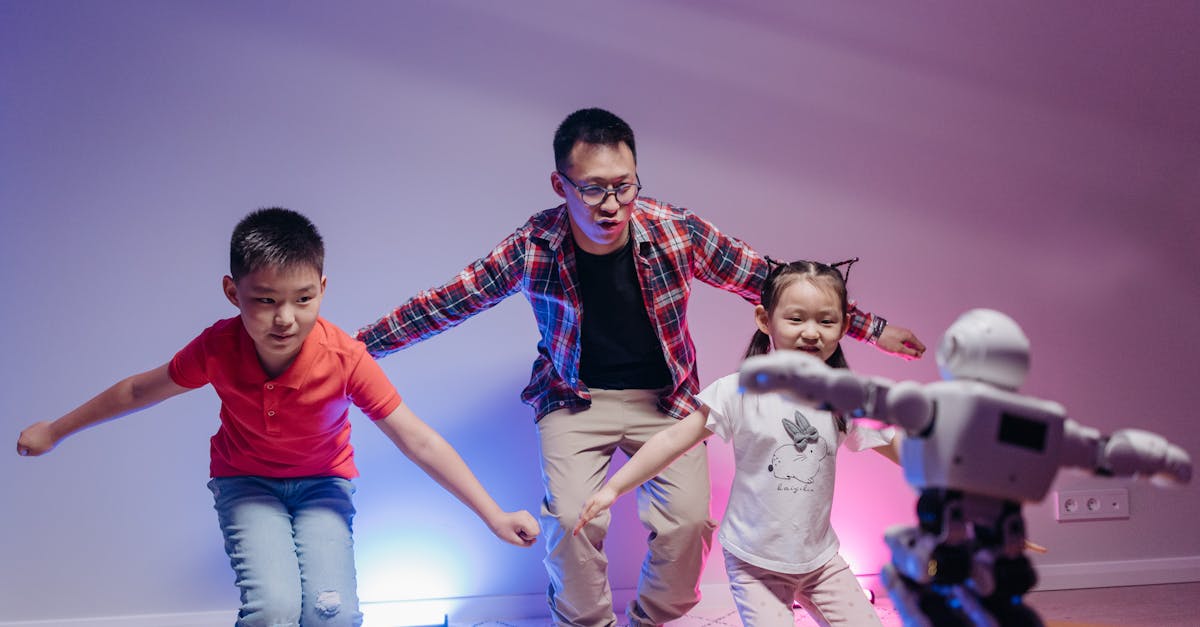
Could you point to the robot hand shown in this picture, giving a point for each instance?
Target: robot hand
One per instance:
(805, 378)
(1136, 452)
(811, 381)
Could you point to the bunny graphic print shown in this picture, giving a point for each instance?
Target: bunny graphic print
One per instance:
(799, 459)
(782, 492)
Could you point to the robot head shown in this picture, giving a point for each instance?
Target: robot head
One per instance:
(985, 345)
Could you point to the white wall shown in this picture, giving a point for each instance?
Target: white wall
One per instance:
(1039, 158)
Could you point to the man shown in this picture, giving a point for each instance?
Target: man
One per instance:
(608, 275)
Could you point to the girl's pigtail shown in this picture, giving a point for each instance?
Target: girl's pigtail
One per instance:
(838, 358)
(760, 344)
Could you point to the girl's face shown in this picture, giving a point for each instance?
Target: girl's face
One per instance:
(808, 317)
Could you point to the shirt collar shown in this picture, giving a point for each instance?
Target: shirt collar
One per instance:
(297, 373)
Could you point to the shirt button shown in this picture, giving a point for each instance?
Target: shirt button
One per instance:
(271, 413)
(270, 386)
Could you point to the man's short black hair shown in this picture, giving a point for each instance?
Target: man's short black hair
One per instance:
(590, 126)
(275, 237)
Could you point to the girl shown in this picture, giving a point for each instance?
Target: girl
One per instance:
(778, 542)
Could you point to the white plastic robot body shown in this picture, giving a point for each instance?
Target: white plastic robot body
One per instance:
(964, 435)
(970, 434)
(976, 450)
(987, 441)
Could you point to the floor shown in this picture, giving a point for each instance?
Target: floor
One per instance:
(1167, 605)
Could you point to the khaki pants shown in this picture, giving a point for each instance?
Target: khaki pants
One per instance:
(576, 450)
(831, 595)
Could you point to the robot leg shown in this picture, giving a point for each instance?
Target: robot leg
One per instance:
(922, 605)
(1001, 573)
(922, 576)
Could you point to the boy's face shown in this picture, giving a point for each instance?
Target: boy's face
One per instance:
(279, 308)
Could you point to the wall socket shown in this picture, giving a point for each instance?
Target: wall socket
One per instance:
(1091, 504)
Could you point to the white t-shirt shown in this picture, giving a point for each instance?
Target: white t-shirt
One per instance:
(782, 493)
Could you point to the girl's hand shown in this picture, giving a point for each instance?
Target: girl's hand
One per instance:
(36, 439)
(598, 502)
(519, 528)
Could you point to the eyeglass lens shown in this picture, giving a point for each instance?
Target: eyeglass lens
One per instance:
(594, 195)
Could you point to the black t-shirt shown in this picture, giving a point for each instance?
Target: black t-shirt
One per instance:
(619, 349)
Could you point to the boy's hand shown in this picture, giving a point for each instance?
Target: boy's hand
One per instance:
(36, 439)
(519, 528)
(598, 502)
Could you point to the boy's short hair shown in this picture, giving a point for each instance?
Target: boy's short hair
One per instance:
(590, 126)
(275, 237)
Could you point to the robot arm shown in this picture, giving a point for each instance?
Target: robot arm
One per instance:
(810, 380)
(1125, 453)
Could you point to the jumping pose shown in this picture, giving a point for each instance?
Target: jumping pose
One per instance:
(608, 274)
(778, 542)
(281, 459)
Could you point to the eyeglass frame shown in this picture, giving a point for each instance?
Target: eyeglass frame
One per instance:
(608, 191)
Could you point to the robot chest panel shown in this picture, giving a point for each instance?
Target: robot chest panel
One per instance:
(987, 441)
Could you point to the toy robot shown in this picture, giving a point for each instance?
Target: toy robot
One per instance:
(975, 450)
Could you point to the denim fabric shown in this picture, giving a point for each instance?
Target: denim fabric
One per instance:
(290, 544)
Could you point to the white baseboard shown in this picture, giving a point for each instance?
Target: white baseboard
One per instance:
(533, 606)
(194, 619)
(1120, 573)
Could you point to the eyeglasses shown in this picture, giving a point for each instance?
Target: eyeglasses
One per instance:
(594, 195)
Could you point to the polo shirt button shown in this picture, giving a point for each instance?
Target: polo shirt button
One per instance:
(271, 413)
(270, 386)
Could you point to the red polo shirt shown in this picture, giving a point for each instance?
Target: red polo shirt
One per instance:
(295, 425)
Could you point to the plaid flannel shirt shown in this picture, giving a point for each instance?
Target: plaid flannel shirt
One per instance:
(672, 246)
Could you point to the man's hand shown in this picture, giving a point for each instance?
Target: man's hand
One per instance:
(901, 342)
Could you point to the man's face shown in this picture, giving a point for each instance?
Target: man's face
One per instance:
(604, 228)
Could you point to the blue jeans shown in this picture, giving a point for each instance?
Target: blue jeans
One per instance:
(290, 544)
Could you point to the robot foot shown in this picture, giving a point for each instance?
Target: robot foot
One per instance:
(1013, 578)
(1014, 613)
(921, 606)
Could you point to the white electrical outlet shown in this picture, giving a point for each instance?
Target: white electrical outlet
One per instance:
(1091, 504)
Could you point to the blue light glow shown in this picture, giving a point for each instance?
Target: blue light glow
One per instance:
(425, 565)
(407, 613)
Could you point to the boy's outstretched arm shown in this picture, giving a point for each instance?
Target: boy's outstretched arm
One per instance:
(656, 454)
(126, 396)
(433, 454)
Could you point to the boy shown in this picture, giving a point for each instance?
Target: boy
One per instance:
(281, 461)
